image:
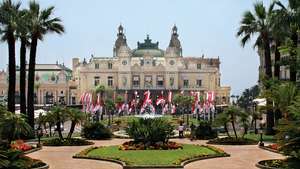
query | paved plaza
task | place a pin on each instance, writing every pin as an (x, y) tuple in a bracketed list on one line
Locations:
[(242, 157)]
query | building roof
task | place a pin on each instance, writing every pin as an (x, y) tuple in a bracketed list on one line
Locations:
[(49, 67)]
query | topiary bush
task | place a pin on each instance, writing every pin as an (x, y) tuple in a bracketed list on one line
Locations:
[(95, 131), (205, 131), (150, 131)]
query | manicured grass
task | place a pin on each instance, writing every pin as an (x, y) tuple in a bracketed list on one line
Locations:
[(154, 157), (257, 137)]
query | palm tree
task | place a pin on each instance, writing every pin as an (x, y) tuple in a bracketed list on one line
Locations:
[(76, 116), (291, 18), (23, 35), (12, 126), (222, 120), (283, 96), (41, 23), (233, 112), (8, 19), (59, 115), (244, 120), (258, 24)]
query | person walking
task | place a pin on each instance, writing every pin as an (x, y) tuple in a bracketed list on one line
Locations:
[(193, 131), (181, 130)]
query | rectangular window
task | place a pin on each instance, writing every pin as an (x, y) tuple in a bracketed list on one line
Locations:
[(160, 81), (172, 80), (96, 80), (110, 81), (199, 66), (110, 65), (148, 81), (136, 81), (97, 66), (199, 83), (185, 83)]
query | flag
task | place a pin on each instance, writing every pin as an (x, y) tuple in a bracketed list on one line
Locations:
[(160, 100)]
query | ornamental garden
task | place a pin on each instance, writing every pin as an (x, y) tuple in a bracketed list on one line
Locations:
[(265, 117)]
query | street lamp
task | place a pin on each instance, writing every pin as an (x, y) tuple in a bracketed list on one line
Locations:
[(39, 134), (261, 143)]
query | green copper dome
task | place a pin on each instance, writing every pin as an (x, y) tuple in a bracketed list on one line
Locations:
[(148, 48)]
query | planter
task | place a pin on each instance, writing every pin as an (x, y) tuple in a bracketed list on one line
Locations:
[(32, 150), (46, 166), (262, 166)]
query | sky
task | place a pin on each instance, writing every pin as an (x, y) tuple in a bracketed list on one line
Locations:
[(205, 27)]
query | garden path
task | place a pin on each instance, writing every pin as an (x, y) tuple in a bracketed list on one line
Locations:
[(242, 157)]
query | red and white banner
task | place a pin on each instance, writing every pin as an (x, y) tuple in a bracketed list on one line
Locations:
[(160, 100)]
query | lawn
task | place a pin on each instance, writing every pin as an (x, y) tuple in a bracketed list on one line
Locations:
[(154, 157), (266, 138)]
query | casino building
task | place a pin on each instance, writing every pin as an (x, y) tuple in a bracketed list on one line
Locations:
[(148, 67)]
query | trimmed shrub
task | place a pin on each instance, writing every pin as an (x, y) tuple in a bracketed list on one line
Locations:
[(150, 131), (232, 141), (67, 142), (96, 131), (205, 131)]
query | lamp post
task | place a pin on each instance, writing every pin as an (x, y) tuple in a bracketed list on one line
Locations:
[(261, 143), (39, 134)]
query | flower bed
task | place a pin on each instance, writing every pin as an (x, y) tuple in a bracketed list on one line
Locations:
[(279, 164), (232, 141), (131, 145), (67, 142), (20, 145)]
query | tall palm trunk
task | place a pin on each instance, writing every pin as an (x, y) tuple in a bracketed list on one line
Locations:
[(233, 127), (226, 129), (268, 68), (277, 59), (72, 128), (23, 76), (31, 78), (268, 62), (12, 72), (293, 72), (59, 130)]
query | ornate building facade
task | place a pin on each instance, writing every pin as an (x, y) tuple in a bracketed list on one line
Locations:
[(149, 67), (53, 84)]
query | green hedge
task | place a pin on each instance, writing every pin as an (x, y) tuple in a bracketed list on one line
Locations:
[(96, 131)]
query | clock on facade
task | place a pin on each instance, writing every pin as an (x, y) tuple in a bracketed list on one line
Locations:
[(172, 62)]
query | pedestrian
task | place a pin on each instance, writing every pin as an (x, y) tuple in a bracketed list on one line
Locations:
[(181, 130)]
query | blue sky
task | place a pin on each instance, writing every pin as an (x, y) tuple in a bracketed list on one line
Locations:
[(205, 27)]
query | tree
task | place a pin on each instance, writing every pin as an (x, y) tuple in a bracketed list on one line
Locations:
[(233, 113), (60, 116), (41, 23), (283, 95), (12, 126), (110, 107), (291, 18), (244, 120), (76, 116), (23, 35), (222, 120), (257, 25), (8, 19)]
